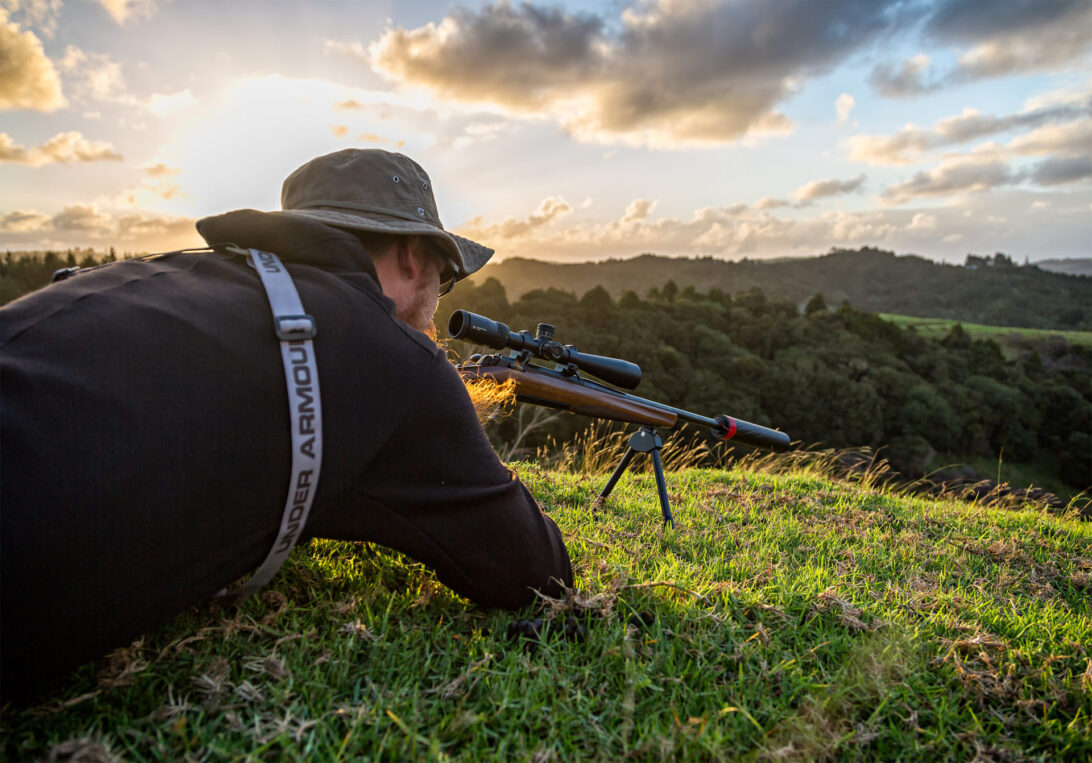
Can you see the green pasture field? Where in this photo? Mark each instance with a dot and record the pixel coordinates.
(936, 328)
(786, 616)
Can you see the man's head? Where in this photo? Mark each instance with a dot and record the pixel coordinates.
(386, 199)
(413, 272)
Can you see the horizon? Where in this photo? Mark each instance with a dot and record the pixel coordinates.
(573, 132)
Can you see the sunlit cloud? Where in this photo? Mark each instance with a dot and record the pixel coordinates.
(911, 142)
(161, 104)
(822, 189)
(371, 137)
(768, 203)
(1074, 137)
(157, 169)
(124, 11)
(82, 223)
(737, 231)
(24, 221)
(28, 79)
(666, 74)
(511, 228)
(963, 175)
(63, 148)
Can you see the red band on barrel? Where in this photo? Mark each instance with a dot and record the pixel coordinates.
(731, 429)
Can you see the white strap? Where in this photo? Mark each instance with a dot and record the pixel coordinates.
(295, 329)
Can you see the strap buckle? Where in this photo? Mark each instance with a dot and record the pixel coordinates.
(294, 328)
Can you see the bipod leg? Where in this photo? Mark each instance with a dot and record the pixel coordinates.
(645, 440)
(661, 486)
(618, 472)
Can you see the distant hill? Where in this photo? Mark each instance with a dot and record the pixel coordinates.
(993, 291)
(1077, 266)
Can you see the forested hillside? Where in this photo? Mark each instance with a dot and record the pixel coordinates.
(991, 290)
(839, 376)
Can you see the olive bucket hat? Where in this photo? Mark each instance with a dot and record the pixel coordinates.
(378, 191)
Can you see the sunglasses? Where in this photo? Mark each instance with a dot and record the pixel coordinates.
(449, 272)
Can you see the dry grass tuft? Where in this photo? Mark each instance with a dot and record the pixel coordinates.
(490, 397)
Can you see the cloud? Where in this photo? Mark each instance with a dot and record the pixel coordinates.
(996, 39)
(1062, 169)
(724, 231)
(22, 221)
(910, 142)
(1072, 137)
(156, 169)
(124, 11)
(938, 231)
(84, 218)
(82, 224)
(768, 203)
(550, 208)
(638, 209)
(1012, 36)
(10, 151)
(339, 131)
(666, 74)
(40, 14)
(349, 104)
(161, 104)
(822, 189)
(28, 79)
(63, 148)
(371, 137)
(843, 105)
(963, 175)
(922, 221)
(97, 76)
(907, 79)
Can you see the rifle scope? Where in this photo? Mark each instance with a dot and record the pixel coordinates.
(478, 329)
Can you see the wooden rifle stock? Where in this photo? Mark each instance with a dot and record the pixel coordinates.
(543, 389)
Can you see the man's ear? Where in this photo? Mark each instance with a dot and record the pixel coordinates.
(409, 262)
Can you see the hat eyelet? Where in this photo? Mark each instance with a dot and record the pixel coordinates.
(396, 179)
(421, 211)
(424, 186)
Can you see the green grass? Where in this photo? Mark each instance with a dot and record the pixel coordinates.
(935, 328)
(788, 616)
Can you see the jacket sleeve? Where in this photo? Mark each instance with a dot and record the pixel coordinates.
(438, 492)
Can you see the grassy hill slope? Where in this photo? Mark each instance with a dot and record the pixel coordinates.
(871, 279)
(785, 616)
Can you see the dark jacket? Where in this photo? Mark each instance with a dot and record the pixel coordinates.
(144, 448)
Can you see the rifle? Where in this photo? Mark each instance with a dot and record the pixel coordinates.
(563, 387)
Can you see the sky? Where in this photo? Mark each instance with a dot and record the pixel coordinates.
(570, 131)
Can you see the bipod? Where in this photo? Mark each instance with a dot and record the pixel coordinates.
(644, 440)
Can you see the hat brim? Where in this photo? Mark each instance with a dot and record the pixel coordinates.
(470, 255)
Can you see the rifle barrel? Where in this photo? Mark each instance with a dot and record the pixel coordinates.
(723, 427)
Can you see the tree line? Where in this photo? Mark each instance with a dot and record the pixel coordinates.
(23, 273)
(992, 290)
